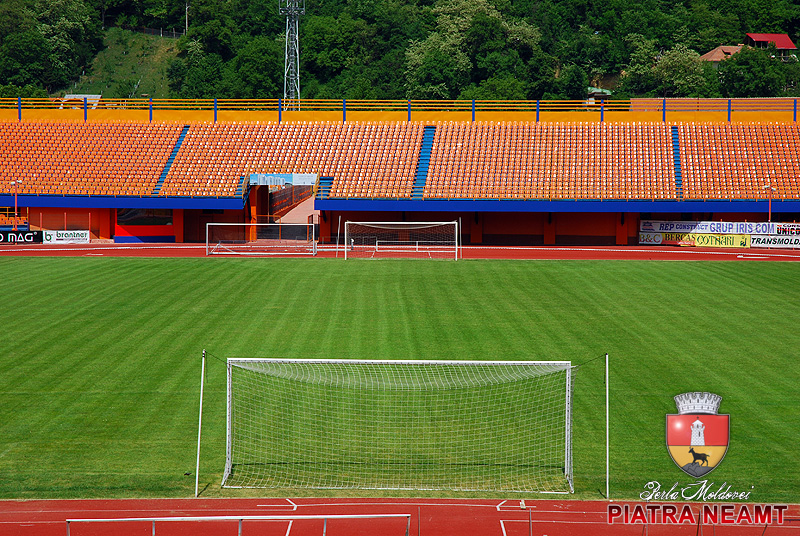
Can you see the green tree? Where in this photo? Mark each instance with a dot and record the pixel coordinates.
(679, 73)
(505, 87)
(255, 72)
(23, 58)
(473, 42)
(200, 76)
(571, 84)
(332, 44)
(72, 32)
(638, 77)
(436, 69)
(11, 91)
(752, 72)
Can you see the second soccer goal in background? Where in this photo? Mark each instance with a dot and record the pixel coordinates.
(425, 240)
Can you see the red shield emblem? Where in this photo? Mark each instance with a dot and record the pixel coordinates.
(697, 443)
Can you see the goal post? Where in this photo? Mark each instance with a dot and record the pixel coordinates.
(489, 426)
(261, 239)
(424, 240)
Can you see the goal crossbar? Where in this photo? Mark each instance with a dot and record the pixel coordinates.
(381, 239)
(250, 239)
(399, 425)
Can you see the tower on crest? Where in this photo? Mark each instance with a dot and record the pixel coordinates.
(292, 9)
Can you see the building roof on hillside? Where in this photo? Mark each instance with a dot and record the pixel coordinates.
(721, 53)
(782, 41)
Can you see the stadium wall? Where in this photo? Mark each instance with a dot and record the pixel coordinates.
(509, 228)
(187, 225)
(538, 228)
(99, 221)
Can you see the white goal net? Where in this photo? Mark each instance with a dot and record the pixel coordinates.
(402, 425)
(425, 240)
(261, 239)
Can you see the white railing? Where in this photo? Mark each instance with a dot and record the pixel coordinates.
(241, 519)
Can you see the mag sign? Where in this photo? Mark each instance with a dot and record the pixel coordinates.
(20, 237)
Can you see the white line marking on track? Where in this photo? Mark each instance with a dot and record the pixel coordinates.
(399, 503)
(289, 528)
(25, 523)
(292, 504)
(503, 527)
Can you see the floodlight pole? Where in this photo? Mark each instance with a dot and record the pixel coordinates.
(199, 428)
(291, 65)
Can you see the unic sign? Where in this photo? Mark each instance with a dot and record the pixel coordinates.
(720, 234)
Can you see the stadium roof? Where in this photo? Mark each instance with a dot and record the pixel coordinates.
(782, 41)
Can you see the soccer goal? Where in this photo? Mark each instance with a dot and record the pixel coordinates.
(260, 239)
(425, 240)
(399, 425)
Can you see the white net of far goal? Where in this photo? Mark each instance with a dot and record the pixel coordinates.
(382, 240)
(260, 239)
(400, 425)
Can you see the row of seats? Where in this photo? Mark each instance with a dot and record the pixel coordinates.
(737, 161)
(366, 159)
(551, 161)
(513, 160)
(7, 220)
(84, 158)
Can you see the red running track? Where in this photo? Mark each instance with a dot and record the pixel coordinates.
(662, 253)
(429, 517)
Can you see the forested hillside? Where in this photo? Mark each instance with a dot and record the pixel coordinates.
(416, 49)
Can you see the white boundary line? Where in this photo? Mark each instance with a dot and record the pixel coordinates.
(292, 505)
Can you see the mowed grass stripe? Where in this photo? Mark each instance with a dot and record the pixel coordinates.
(99, 368)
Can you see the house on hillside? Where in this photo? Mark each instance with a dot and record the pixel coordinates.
(720, 53)
(783, 44)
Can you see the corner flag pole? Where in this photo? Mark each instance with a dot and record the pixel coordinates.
(608, 495)
(199, 427)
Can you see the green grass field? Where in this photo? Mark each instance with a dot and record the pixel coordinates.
(100, 357)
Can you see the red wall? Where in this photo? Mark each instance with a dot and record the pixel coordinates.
(522, 228)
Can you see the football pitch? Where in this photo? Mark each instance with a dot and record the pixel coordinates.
(100, 358)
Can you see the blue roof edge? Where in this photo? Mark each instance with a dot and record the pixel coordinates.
(100, 201)
(512, 205)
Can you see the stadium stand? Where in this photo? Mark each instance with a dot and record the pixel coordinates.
(365, 159)
(737, 161)
(552, 161)
(72, 159)
(7, 220)
(543, 161)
